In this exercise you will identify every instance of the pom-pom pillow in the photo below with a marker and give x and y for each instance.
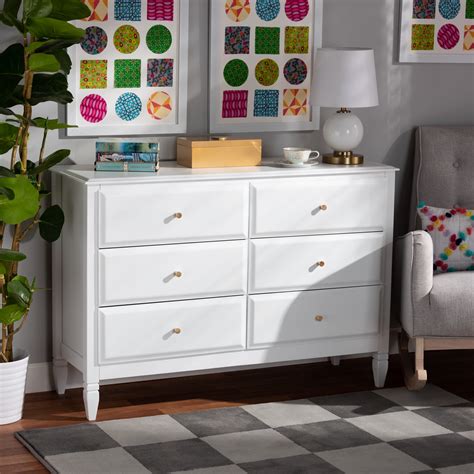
(452, 231)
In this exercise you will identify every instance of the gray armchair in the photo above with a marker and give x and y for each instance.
(436, 311)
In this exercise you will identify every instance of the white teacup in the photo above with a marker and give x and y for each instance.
(299, 156)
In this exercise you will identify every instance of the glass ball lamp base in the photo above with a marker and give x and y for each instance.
(343, 132)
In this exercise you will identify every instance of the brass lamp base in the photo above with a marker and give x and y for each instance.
(343, 158)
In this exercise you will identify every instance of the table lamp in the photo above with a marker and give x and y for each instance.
(344, 78)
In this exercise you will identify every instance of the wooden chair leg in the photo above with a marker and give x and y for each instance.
(414, 379)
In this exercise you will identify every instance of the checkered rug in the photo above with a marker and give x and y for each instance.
(384, 431)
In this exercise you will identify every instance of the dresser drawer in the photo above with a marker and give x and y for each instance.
(319, 205)
(297, 317)
(168, 272)
(180, 328)
(171, 213)
(304, 263)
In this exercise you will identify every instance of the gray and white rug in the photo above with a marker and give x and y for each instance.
(384, 431)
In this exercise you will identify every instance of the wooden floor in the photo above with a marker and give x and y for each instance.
(451, 370)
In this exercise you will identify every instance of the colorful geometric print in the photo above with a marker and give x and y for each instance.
(424, 9)
(93, 108)
(160, 10)
(93, 74)
(128, 106)
(236, 72)
(469, 38)
(448, 36)
(99, 10)
(268, 10)
(237, 40)
(159, 105)
(159, 39)
(127, 73)
(449, 9)
(126, 39)
(266, 103)
(295, 102)
(295, 71)
(234, 104)
(160, 73)
(266, 72)
(267, 40)
(296, 10)
(470, 10)
(128, 10)
(237, 10)
(452, 232)
(95, 40)
(296, 40)
(422, 37)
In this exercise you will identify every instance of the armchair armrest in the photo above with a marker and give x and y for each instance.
(413, 274)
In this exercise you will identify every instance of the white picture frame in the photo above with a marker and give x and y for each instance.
(432, 17)
(144, 124)
(218, 22)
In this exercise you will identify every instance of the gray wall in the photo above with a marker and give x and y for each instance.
(410, 95)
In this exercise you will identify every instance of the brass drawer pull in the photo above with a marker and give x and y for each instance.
(321, 264)
(323, 207)
(177, 330)
(178, 215)
(319, 318)
(178, 274)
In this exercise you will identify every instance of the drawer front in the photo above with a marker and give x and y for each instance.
(332, 204)
(326, 261)
(172, 272)
(172, 213)
(180, 328)
(310, 315)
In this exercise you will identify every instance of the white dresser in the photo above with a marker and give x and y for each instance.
(190, 270)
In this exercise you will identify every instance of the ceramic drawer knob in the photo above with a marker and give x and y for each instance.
(177, 330)
(178, 215)
(323, 207)
(178, 274)
(319, 318)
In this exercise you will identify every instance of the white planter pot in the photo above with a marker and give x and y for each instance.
(12, 388)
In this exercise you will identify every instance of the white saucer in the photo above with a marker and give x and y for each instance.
(309, 164)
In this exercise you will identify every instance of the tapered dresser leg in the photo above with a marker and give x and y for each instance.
(91, 400)
(60, 371)
(380, 368)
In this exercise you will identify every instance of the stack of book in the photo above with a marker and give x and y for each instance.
(116, 154)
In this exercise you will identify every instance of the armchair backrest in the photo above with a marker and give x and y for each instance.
(444, 169)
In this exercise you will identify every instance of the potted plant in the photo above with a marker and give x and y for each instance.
(32, 70)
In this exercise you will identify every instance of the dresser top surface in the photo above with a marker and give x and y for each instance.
(171, 171)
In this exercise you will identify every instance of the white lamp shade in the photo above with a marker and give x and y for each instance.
(345, 78)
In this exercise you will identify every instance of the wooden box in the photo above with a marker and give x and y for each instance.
(219, 152)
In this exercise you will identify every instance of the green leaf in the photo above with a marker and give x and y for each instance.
(49, 46)
(11, 313)
(6, 172)
(10, 18)
(8, 134)
(3, 269)
(18, 290)
(12, 60)
(64, 60)
(12, 7)
(36, 8)
(51, 223)
(48, 88)
(25, 204)
(50, 161)
(42, 62)
(8, 193)
(5, 111)
(69, 10)
(53, 124)
(55, 29)
(7, 255)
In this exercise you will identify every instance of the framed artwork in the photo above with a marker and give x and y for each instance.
(129, 75)
(261, 64)
(437, 31)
